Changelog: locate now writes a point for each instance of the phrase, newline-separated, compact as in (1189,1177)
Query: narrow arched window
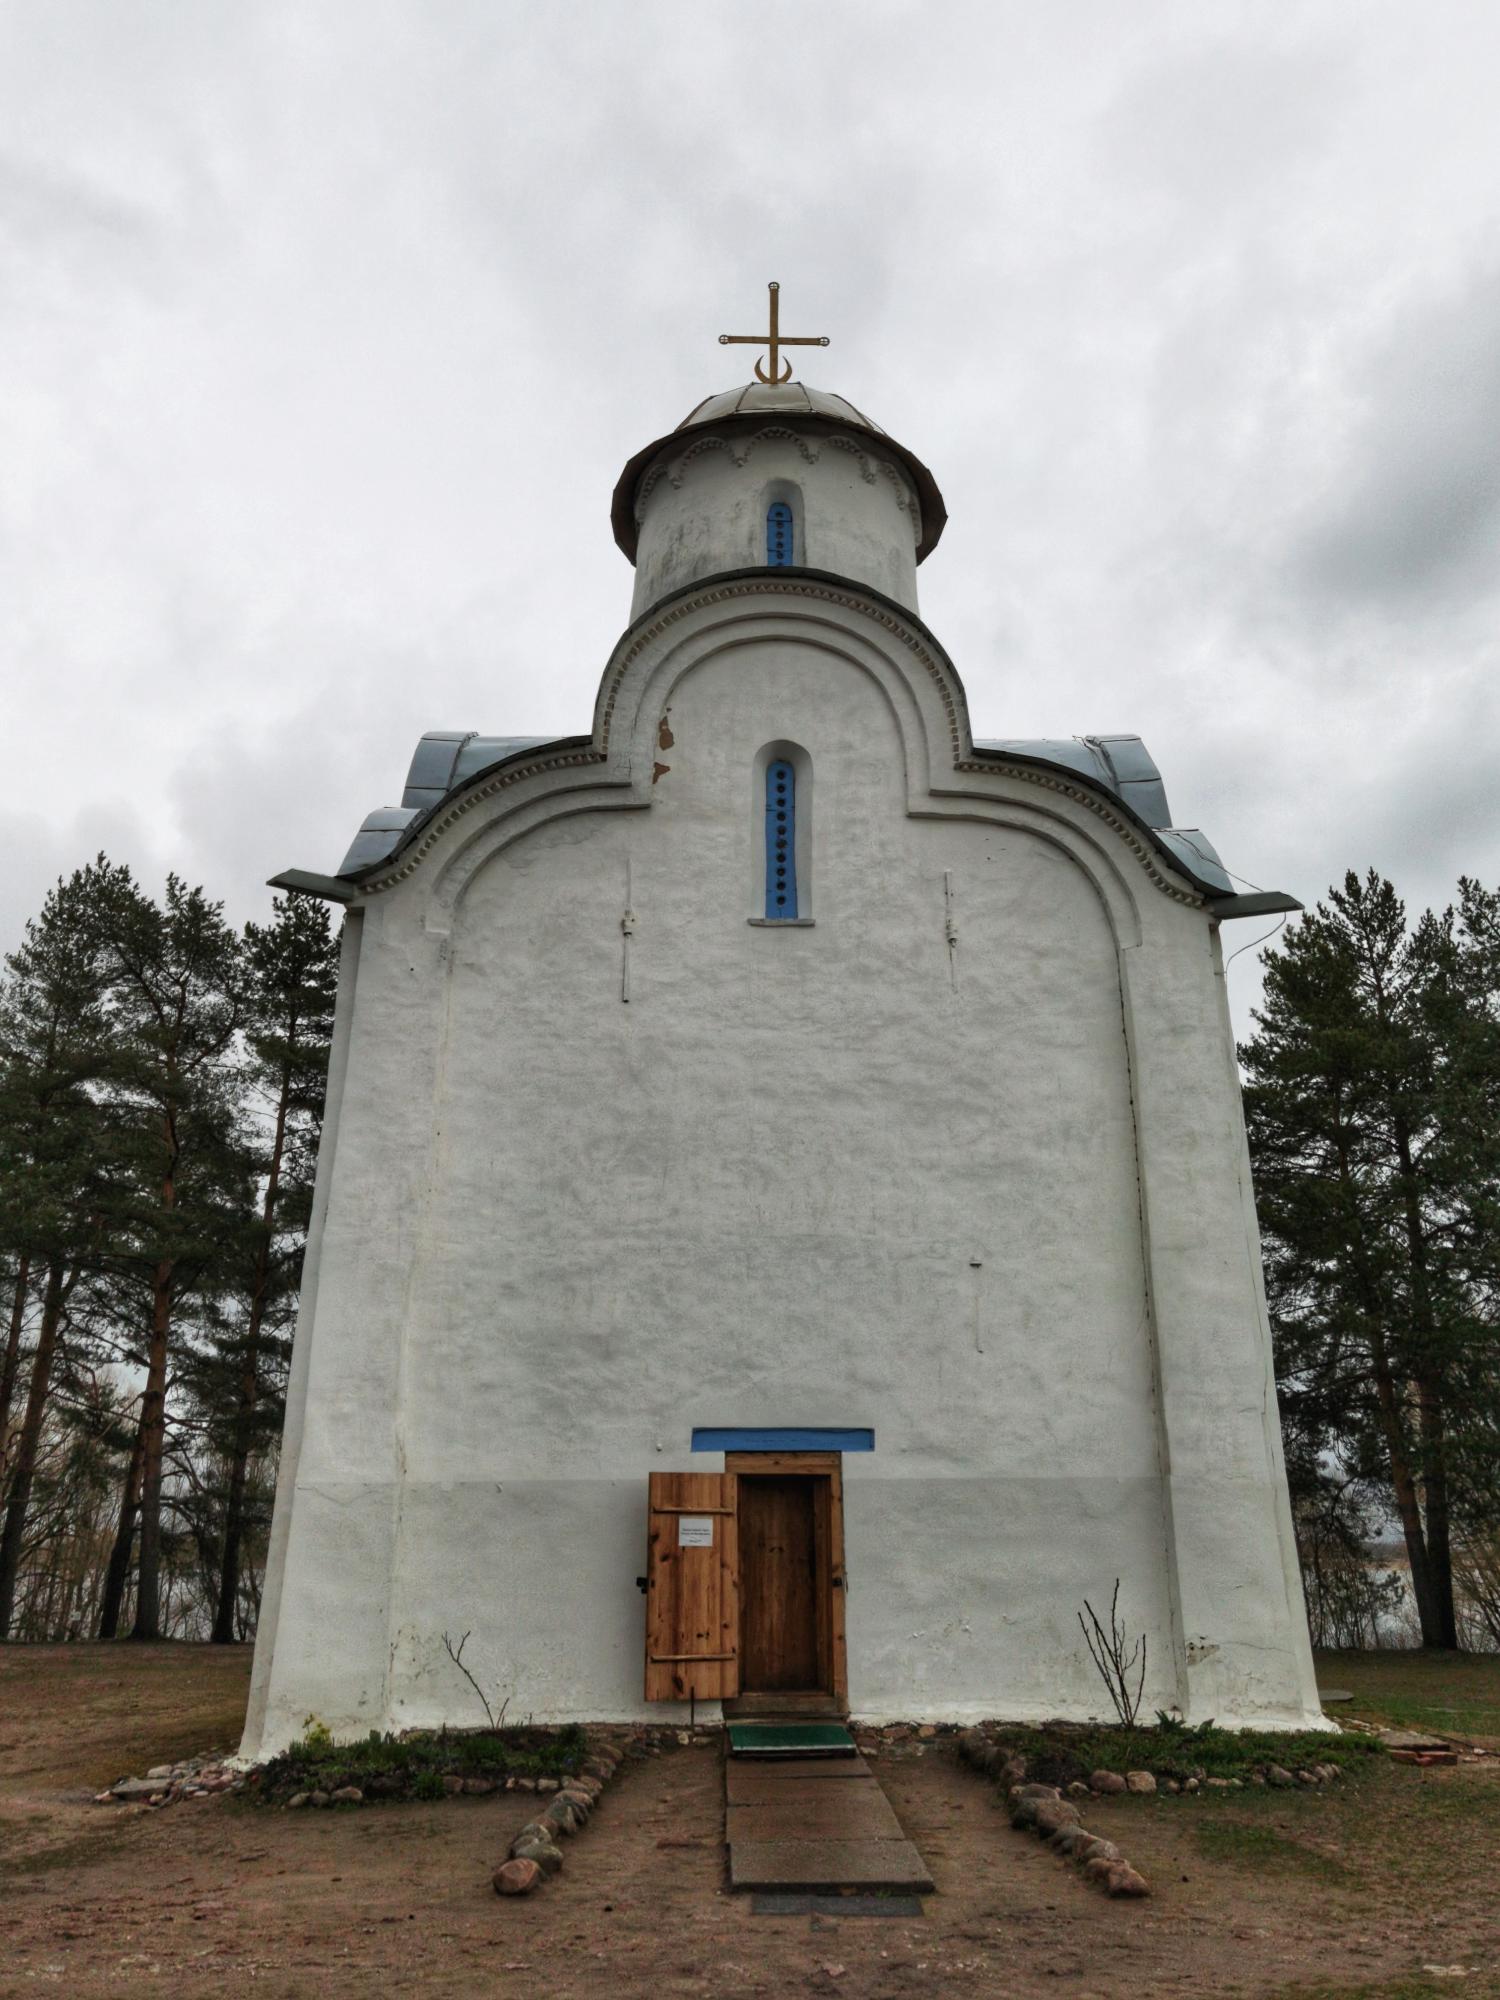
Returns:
(781,839)
(778,535)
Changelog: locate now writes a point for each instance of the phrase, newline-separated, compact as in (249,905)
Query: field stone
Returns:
(1078,1789)
(517,1877)
(1093,1848)
(546,1784)
(1276,1776)
(453,1786)
(164,1771)
(1035,1792)
(1123,1880)
(1070,1840)
(1053,1815)
(545,1853)
(1139,1781)
(1106,1781)
(347,1795)
(296,1801)
(478,1788)
(317,1798)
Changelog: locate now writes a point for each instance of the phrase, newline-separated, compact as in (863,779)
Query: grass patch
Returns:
(414,1766)
(1455,1694)
(1058,1752)
(1252,1846)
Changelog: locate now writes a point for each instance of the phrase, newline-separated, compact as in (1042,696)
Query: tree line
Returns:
(161,1092)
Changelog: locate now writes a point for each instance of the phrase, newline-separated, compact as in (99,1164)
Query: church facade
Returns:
(784,1223)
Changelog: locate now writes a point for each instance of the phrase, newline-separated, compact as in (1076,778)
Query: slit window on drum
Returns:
(778,535)
(781,839)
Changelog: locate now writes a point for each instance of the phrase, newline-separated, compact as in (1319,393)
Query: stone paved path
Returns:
(815,1824)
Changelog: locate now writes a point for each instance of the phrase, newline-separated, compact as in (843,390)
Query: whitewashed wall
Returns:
(803,1176)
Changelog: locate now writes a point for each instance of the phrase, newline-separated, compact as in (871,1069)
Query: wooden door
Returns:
(692,1602)
(779,1584)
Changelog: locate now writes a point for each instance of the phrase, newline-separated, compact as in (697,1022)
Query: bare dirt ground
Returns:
(1337,1893)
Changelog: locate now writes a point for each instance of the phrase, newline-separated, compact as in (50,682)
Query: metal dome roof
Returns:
(788,402)
(782,399)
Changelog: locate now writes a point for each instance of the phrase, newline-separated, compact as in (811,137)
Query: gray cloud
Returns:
(1413,511)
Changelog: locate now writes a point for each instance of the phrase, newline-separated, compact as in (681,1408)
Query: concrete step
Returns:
(827,1865)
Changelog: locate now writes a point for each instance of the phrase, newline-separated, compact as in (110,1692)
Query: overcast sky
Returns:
(326,328)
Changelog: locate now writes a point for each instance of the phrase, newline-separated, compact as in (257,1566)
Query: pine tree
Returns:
(58,1152)
(178,994)
(1363,1098)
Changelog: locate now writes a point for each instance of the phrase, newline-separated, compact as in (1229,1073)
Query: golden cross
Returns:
(776,340)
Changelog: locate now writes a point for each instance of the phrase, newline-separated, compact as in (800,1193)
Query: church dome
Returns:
(858,504)
(752,404)
(782,399)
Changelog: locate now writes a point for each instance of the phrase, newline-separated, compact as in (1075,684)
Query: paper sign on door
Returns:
(695,1531)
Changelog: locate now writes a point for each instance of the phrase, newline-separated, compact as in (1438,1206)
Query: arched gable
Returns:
(619,764)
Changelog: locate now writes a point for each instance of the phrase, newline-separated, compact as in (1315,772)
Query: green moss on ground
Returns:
(1058,1752)
(414,1766)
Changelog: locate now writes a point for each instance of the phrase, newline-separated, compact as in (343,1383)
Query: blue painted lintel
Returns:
(783,1440)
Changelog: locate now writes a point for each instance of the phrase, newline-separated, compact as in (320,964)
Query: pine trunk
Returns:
(1431,1427)
(153,1452)
(1407,1504)
(118,1573)
(1436,1510)
(10,1365)
(249,1387)
(30,1438)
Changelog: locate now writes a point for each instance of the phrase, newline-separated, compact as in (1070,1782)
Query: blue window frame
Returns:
(778,535)
(781,839)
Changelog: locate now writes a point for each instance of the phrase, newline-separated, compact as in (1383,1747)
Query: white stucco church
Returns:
(784,1225)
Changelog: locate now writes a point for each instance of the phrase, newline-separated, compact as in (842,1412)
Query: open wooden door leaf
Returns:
(692,1587)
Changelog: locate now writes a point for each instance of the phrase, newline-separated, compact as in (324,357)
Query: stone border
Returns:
(198,1777)
(536,1851)
(1042,1810)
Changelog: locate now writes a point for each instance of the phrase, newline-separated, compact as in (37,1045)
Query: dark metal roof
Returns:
(446,759)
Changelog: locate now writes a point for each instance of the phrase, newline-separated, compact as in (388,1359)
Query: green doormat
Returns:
(789,1739)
